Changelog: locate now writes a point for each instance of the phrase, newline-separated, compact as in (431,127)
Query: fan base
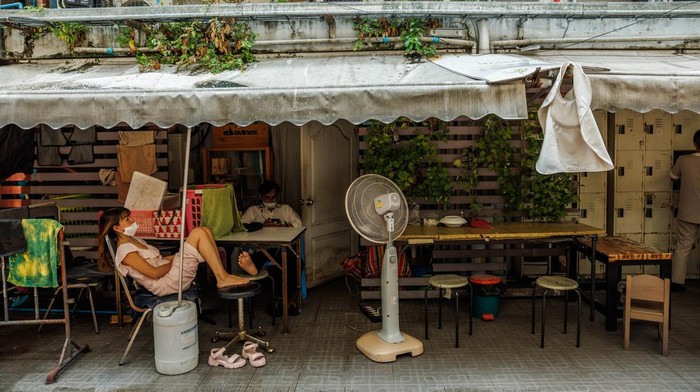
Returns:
(376,349)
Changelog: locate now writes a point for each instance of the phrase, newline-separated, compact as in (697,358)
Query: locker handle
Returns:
(649,170)
(621,171)
(649,199)
(679,128)
(584,213)
(621,129)
(649,129)
(620,212)
(648,213)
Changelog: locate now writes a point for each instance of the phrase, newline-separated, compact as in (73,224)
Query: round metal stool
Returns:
(444,282)
(557,284)
(239,293)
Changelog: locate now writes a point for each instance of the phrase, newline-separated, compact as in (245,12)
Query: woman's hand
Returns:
(273,223)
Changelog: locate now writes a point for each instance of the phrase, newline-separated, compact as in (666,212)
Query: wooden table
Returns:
(616,252)
(500,231)
(285,238)
(511,231)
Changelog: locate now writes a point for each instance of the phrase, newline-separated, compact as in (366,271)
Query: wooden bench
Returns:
(616,252)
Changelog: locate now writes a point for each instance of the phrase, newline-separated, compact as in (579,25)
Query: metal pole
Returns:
(183,205)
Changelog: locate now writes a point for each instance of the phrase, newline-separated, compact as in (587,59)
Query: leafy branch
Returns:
(410,31)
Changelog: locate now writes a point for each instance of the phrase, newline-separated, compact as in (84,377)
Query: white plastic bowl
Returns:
(453,221)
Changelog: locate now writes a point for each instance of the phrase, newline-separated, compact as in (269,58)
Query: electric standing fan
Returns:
(378,212)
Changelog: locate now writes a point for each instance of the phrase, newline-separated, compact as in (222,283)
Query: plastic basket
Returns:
(144,218)
(193,205)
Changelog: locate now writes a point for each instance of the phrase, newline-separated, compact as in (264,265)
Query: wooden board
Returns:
(622,248)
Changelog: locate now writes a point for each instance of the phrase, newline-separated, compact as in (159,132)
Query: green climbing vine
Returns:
(492,150)
(524,191)
(546,197)
(412,163)
(410,31)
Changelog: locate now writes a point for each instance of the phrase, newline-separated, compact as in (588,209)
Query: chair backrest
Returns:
(644,290)
(122,279)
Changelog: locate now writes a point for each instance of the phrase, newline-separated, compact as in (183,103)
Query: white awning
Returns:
(297,90)
(639,81)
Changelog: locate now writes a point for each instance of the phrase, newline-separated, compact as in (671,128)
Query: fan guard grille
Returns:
(359,206)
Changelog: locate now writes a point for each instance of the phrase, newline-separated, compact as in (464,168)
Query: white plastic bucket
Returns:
(175,336)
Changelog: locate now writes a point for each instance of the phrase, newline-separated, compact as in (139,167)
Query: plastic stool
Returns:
(443,282)
(239,293)
(557,283)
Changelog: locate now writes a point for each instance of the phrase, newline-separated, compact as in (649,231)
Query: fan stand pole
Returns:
(385,345)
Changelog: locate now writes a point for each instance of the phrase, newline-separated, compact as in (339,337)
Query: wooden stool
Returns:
(239,293)
(443,282)
(557,283)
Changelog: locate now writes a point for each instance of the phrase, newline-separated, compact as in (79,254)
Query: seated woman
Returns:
(156,273)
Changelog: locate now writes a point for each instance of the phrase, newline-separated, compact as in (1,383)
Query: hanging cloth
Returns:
(16,151)
(217,210)
(37,266)
(572,141)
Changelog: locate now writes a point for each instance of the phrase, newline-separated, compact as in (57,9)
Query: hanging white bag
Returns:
(572,141)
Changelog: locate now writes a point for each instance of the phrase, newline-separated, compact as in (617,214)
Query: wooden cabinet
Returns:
(241,156)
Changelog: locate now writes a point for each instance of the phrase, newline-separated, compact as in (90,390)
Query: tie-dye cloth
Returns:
(37,266)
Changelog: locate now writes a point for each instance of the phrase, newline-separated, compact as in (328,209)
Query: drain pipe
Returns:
(11,5)
(112,51)
(433,39)
(484,39)
(554,41)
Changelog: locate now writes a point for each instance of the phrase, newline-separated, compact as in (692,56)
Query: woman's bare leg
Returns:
(201,240)
(244,259)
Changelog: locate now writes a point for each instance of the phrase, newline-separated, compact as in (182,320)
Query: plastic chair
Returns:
(145,299)
(557,284)
(648,298)
(448,282)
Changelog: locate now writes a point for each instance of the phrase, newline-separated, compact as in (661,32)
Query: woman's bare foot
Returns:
(246,263)
(231,280)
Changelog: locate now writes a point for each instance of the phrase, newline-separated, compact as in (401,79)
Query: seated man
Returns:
(271,214)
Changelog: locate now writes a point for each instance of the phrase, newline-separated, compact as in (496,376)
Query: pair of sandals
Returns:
(249,352)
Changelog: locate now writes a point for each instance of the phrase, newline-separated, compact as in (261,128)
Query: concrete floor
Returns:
(320,355)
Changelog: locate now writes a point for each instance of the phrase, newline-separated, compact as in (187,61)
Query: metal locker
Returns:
(660,241)
(628,213)
(658,212)
(657,169)
(594,182)
(628,171)
(685,124)
(658,131)
(629,131)
(592,209)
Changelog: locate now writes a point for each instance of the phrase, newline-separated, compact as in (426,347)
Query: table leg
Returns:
(594,240)
(285,297)
(612,277)
(299,261)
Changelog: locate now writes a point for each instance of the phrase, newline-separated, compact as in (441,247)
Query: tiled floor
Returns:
(319,354)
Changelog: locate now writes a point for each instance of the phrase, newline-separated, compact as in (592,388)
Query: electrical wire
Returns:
(619,28)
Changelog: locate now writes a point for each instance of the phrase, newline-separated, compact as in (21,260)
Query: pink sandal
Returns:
(255,358)
(217,358)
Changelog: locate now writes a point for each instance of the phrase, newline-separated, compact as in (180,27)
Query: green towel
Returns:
(37,266)
(220,211)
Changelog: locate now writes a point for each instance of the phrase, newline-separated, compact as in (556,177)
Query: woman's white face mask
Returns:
(270,205)
(131,229)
